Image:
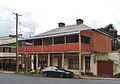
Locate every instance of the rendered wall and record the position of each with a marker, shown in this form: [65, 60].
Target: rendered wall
[112, 56]
[116, 65]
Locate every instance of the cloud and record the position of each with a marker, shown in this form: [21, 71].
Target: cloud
[5, 21]
[27, 28]
[42, 15]
[5, 27]
[27, 24]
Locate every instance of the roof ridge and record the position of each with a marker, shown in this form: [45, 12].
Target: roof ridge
[62, 29]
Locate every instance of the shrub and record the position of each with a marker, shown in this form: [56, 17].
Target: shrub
[117, 75]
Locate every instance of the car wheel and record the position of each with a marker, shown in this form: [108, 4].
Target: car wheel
[45, 74]
[61, 75]
[72, 75]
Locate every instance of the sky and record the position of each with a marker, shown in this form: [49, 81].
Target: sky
[43, 15]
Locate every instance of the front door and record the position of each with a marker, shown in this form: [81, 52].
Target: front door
[34, 62]
[87, 65]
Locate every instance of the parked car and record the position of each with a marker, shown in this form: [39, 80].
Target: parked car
[54, 71]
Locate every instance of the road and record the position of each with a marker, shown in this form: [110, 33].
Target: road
[18, 79]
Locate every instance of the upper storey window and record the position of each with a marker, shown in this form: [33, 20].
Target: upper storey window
[85, 39]
[47, 41]
[37, 42]
[59, 40]
[72, 39]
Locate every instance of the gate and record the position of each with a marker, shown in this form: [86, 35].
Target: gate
[105, 68]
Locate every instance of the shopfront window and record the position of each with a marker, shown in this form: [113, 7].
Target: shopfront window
[73, 63]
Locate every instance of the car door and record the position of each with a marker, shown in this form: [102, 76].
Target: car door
[53, 71]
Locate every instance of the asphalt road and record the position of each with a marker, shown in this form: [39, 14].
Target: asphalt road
[18, 79]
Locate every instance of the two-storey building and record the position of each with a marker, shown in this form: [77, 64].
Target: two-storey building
[69, 47]
[8, 52]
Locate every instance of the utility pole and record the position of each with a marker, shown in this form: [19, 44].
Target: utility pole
[17, 64]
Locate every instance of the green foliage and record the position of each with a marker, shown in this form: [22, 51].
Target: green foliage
[119, 56]
[115, 65]
[117, 75]
[100, 56]
[118, 51]
[110, 30]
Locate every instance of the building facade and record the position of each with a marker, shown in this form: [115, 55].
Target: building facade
[69, 47]
[8, 53]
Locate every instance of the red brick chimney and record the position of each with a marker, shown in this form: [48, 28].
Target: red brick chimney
[61, 24]
[79, 21]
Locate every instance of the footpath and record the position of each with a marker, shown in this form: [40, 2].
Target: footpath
[99, 78]
[8, 72]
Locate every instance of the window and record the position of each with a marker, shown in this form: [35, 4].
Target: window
[37, 42]
[72, 38]
[85, 39]
[13, 50]
[42, 60]
[3, 49]
[47, 41]
[59, 40]
[9, 49]
[73, 63]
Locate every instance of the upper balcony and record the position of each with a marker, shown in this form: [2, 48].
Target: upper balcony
[57, 44]
[51, 48]
[57, 48]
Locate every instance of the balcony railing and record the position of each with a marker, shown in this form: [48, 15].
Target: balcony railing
[86, 47]
[50, 48]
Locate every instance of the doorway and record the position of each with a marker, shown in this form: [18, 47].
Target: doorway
[87, 65]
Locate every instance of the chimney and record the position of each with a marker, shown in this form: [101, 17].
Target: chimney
[61, 24]
[79, 21]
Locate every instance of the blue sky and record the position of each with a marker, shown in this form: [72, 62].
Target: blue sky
[42, 15]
